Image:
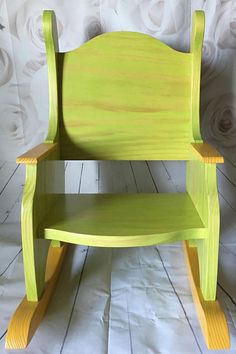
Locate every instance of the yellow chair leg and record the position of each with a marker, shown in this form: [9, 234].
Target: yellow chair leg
[29, 314]
[211, 316]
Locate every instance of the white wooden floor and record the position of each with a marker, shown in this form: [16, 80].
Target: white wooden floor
[117, 301]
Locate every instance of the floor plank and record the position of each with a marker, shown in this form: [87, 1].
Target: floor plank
[161, 177]
[116, 177]
[143, 178]
[227, 188]
[7, 170]
[11, 192]
[73, 176]
[89, 177]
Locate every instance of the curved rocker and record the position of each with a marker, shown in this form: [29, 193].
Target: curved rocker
[29, 314]
[210, 314]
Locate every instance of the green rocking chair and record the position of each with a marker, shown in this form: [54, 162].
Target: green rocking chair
[121, 96]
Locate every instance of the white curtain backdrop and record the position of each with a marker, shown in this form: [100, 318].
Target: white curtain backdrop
[23, 70]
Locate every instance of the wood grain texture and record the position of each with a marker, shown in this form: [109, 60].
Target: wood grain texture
[197, 35]
[201, 185]
[42, 181]
[122, 93]
[36, 154]
[207, 153]
[211, 316]
[123, 220]
[51, 42]
[29, 314]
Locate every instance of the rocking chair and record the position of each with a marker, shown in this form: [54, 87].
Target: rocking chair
[121, 96]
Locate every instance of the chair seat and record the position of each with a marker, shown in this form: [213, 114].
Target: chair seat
[124, 220]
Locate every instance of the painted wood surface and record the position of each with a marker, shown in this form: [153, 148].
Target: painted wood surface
[211, 316]
[172, 26]
[197, 36]
[123, 220]
[112, 119]
[201, 184]
[121, 95]
[175, 175]
[29, 314]
[107, 96]
[42, 181]
[51, 42]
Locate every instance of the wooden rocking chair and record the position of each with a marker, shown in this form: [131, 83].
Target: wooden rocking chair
[121, 96]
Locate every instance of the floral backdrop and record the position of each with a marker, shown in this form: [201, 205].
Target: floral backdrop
[23, 70]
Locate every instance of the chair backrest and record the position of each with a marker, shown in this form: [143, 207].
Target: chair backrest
[125, 95]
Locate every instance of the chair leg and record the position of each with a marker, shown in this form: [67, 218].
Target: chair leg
[208, 250]
[35, 257]
[29, 314]
[41, 267]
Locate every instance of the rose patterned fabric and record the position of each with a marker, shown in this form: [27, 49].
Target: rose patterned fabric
[23, 71]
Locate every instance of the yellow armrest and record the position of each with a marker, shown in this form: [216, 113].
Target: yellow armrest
[207, 153]
[36, 154]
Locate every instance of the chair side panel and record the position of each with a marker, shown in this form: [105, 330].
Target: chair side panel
[126, 95]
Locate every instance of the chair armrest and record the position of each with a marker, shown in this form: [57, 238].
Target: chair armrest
[37, 154]
[207, 153]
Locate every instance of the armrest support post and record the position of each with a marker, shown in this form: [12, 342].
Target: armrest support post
[201, 185]
[44, 181]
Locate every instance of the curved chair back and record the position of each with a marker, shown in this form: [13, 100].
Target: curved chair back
[128, 96]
